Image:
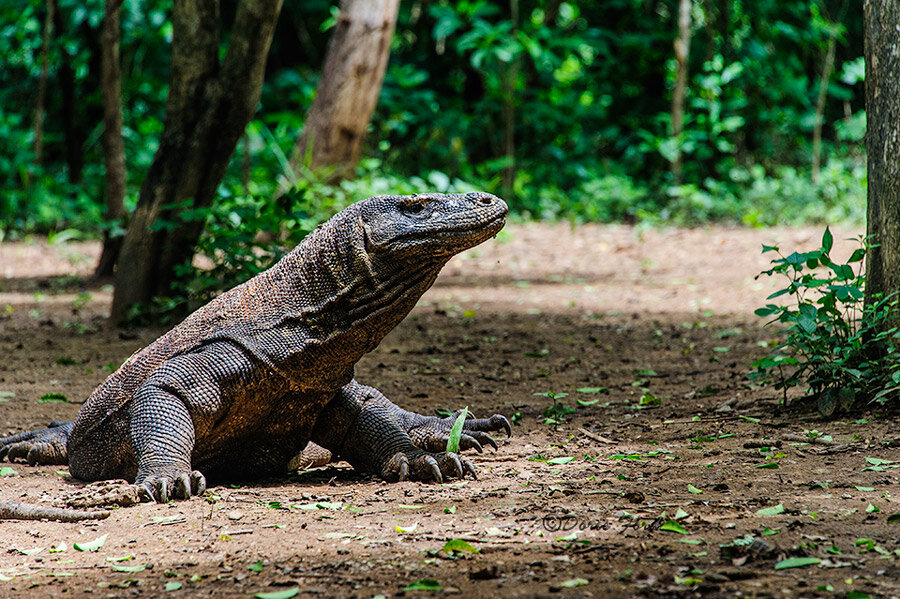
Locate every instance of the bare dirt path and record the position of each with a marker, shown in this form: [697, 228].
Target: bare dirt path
[618, 499]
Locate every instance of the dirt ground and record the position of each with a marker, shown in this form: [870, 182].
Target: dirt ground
[619, 500]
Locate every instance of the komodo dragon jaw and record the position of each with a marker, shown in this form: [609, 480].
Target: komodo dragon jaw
[238, 389]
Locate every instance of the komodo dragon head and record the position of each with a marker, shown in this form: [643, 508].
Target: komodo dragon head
[425, 227]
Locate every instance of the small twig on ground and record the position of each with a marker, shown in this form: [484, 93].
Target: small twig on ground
[790, 438]
[596, 437]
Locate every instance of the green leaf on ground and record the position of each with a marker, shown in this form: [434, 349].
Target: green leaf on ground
[256, 566]
[771, 511]
[645, 372]
[673, 526]
[320, 505]
[91, 545]
[560, 461]
[456, 431]
[648, 399]
[132, 569]
[54, 397]
[893, 519]
[863, 489]
[458, 545]
[692, 489]
[592, 390]
[574, 582]
[173, 585]
[7, 471]
[797, 562]
[426, 584]
[285, 594]
[406, 529]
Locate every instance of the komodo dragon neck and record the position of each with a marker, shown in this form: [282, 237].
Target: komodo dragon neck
[324, 305]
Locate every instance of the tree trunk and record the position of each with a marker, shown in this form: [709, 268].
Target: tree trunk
[113, 143]
[73, 132]
[682, 53]
[207, 109]
[41, 100]
[883, 146]
[348, 91]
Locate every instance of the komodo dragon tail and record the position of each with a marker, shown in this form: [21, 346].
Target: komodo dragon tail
[43, 446]
[16, 510]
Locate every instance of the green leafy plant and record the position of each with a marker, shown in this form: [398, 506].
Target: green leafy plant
[556, 413]
[841, 348]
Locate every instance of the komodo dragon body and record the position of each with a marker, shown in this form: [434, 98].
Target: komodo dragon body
[238, 389]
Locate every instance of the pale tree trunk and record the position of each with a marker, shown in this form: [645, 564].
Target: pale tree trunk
[113, 143]
[827, 68]
[209, 104]
[41, 100]
[883, 146]
[682, 53]
[348, 90]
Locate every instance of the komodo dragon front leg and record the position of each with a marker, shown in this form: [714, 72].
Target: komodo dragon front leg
[429, 433]
[365, 428]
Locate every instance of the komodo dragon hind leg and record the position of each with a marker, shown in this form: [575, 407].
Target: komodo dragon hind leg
[42, 446]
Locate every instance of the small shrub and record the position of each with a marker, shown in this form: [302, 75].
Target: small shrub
[840, 348]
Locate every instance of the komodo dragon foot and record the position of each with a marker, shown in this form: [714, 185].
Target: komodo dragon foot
[429, 433]
[365, 428]
[42, 446]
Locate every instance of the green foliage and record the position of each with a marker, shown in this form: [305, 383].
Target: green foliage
[841, 349]
[561, 107]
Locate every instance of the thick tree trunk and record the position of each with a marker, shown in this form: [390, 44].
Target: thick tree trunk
[883, 146]
[113, 143]
[73, 132]
[682, 53]
[348, 91]
[207, 109]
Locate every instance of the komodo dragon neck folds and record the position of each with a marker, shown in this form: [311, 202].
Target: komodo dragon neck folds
[242, 385]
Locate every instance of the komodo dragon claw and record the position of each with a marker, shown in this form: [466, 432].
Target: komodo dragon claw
[170, 484]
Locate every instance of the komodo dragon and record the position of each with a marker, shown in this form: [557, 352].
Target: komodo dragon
[238, 389]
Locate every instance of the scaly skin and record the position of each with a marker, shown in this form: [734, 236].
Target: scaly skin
[238, 389]
[16, 510]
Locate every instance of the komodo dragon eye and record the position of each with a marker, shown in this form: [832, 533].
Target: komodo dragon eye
[412, 208]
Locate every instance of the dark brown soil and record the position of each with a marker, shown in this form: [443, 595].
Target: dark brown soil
[658, 314]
